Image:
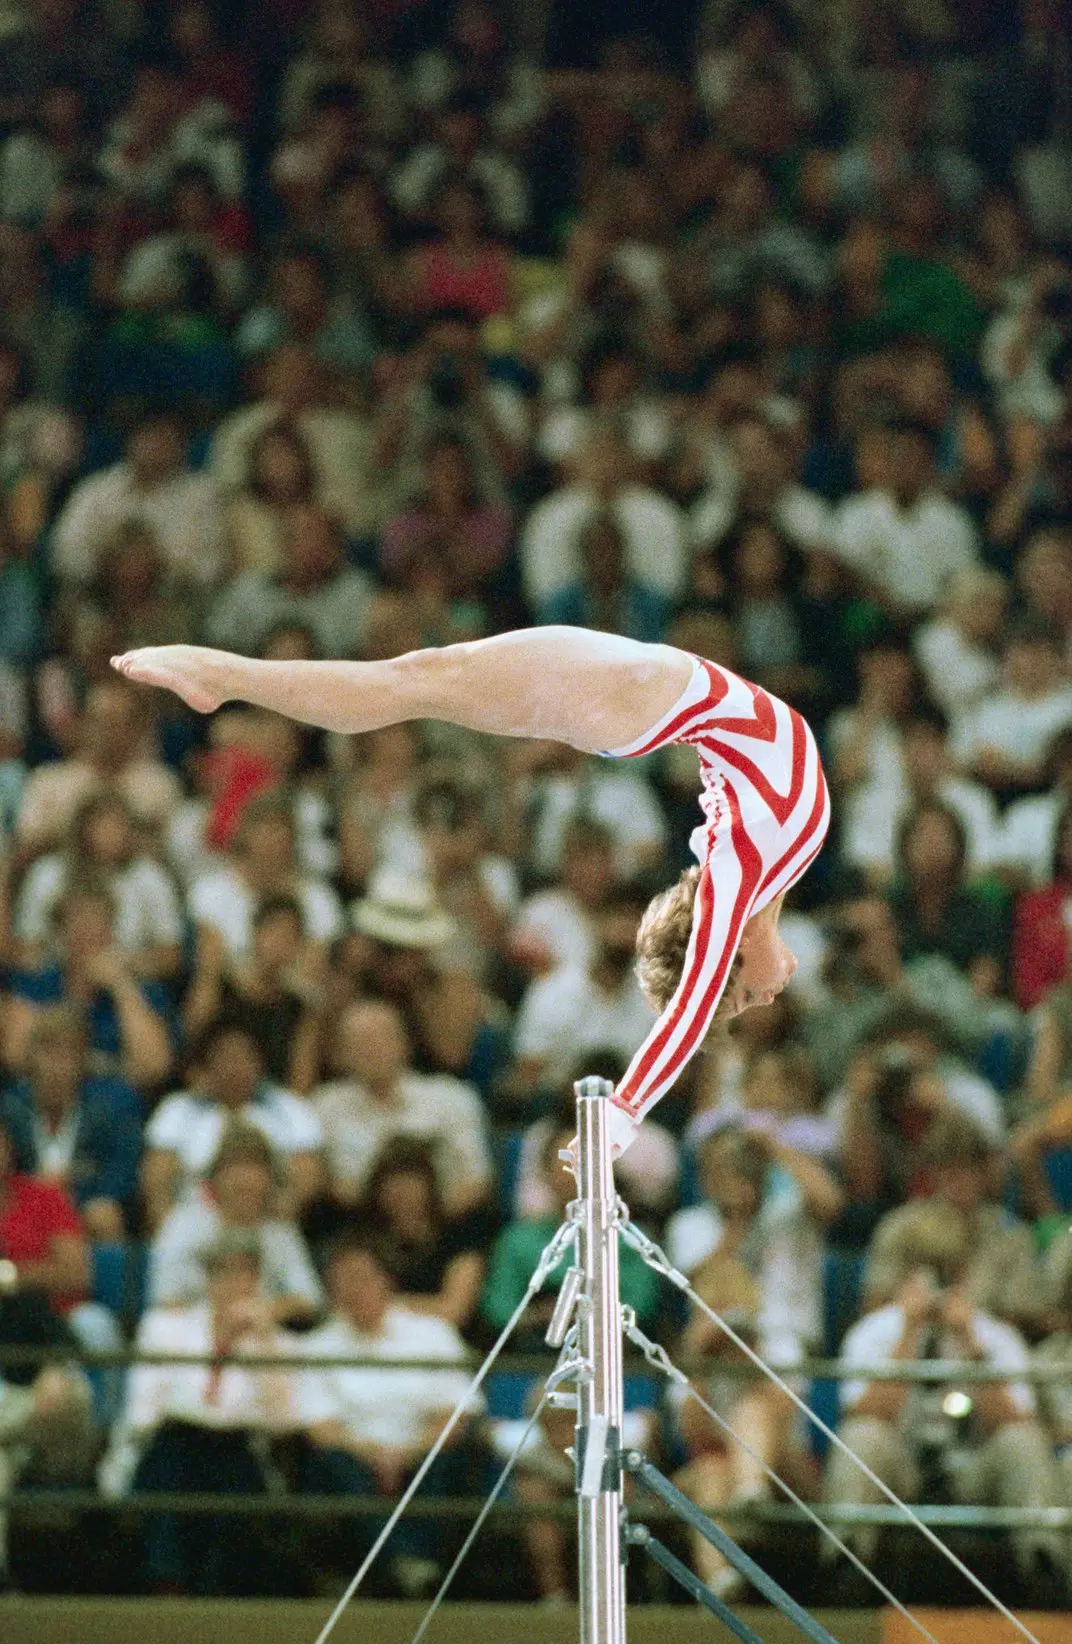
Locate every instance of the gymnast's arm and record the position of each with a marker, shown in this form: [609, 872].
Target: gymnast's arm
[592, 690]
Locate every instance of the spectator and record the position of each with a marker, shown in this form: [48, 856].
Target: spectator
[475, 885]
[261, 863]
[453, 1025]
[996, 1451]
[281, 476]
[866, 739]
[1029, 833]
[202, 1427]
[37, 159]
[300, 307]
[612, 388]
[200, 233]
[461, 147]
[605, 596]
[48, 1438]
[569, 1012]
[904, 540]
[652, 526]
[380, 1098]
[226, 1082]
[557, 926]
[129, 1018]
[929, 779]
[46, 1261]
[135, 599]
[371, 1428]
[109, 736]
[1005, 739]
[240, 1197]
[156, 135]
[555, 786]
[760, 485]
[297, 390]
[152, 486]
[648, 1173]
[103, 842]
[276, 989]
[1042, 947]
[71, 1128]
[437, 1261]
[956, 651]
[517, 1250]
[312, 588]
[1053, 1396]
[461, 267]
[764, 1206]
[936, 911]
[451, 517]
[901, 1085]
[1001, 1277]
[446, 387]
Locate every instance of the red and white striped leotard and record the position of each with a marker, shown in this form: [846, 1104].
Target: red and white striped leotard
[766, 810]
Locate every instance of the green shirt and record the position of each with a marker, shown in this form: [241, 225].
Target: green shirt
[514, 1257]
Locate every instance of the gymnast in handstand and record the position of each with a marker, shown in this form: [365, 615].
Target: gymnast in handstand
[708, 947]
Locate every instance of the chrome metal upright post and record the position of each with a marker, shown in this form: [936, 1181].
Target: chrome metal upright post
[600, 1395]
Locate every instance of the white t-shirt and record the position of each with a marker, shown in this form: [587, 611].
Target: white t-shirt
[783, 1250]
[433, 1107]
[958, 674]
[228, 1397]
[874, 1337]
[221, 897]
[912, 554]
[148, 911]
[613, 793]
[1029, 835]
[653, 527]
[1017, 727]
[555, 920]
[875, 816]
[564, 1015]
[384, 1406]
[800, 516]
[177, 1274]
[183, 514]
[192, 1126]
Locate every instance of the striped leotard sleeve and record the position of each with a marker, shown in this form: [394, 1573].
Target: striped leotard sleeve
[767, 812]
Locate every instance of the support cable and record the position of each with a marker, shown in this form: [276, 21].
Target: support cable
[659, 1261]
[552, 1254]
[659, 1359]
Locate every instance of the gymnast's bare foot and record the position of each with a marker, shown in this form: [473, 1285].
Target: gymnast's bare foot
[193, 672]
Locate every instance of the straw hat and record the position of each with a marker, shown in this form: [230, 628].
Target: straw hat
[401, 910]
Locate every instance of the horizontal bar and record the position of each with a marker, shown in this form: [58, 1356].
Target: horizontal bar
[565, 1512]
[699, 1590]
[933, 1370]
[651, 1478]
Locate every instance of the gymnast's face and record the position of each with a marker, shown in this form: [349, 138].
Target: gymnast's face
[763, 965]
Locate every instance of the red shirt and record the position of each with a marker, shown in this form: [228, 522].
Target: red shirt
[32, 1214]
[1041, 942]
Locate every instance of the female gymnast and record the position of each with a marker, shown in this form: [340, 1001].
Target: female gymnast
[708, 947]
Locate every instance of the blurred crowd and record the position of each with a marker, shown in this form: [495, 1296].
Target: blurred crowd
[341, 329]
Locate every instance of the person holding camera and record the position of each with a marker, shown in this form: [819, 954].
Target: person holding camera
[937, 1441]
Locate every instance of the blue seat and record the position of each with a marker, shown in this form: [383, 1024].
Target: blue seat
[119, 1278]
[843, 1277]
[1058, 1166]
[508, 1161]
